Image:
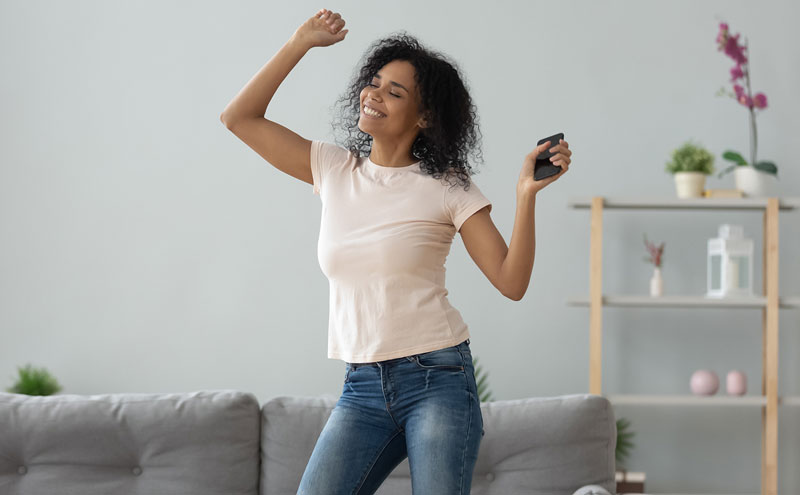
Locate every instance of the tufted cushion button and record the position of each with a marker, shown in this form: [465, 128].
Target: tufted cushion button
[22, 470]
[137, 470]
[490, 476]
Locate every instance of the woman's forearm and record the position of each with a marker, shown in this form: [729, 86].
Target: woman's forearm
[518, 265]
[253, 99]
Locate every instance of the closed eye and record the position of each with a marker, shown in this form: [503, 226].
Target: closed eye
[374, 86]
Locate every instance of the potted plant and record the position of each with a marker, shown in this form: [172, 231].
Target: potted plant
[627, 482]
[35, 381]
[690, 164]
[756, 178]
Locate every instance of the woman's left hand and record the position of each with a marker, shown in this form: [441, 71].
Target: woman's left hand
[561, 157]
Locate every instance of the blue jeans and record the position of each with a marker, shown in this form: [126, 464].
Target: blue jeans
[424, 407]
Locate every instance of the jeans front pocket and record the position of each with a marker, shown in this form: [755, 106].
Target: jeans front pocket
[448, 359]
[347, 370]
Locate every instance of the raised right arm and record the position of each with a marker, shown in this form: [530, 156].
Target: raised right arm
[244, 116]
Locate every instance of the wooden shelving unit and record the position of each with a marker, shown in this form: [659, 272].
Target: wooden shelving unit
[770, 303]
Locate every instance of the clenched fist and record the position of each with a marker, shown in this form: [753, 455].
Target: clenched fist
[323, 29]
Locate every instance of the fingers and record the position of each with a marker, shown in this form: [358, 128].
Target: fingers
[560, 160]
[332, 19]
[562, 146]
[561, 155]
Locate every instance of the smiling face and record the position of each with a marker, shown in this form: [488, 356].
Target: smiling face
[393, 92]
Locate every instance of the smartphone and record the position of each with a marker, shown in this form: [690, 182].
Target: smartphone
[543, 167]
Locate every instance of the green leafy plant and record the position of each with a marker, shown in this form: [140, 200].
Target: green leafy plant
[480, 380]
[35, 381]
[691, 158]
[739, 161]
[624, 443]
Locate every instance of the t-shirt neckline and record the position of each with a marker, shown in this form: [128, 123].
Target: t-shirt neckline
[384, 168]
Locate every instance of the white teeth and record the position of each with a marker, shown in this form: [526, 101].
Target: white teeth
[372, 113]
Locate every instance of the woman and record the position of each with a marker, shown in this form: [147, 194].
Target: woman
[409, 387]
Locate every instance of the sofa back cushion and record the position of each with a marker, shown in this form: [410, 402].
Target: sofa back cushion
[188, 443]
[535, 446]
[547, 445]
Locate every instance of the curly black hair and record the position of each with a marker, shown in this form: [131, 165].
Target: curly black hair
[453, 132]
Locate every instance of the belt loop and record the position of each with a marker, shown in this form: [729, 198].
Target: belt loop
[467, 341]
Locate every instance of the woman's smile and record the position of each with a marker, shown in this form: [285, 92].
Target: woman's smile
[371, 113]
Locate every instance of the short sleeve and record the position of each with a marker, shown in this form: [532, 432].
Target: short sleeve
[461, 204]
[324, 156]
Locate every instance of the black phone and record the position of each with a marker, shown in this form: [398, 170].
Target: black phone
[543, 167]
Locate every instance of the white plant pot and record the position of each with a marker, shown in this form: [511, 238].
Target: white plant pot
[690, 184]
[755, 183]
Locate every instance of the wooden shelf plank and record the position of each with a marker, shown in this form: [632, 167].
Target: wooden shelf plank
[789, 302]
[686, 301]
[687, 400]
[789, 400]
[788, 203]
[695, 400]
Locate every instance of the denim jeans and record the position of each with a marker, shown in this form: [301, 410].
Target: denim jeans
[424, 407]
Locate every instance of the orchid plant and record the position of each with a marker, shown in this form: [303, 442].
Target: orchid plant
[656, 253]
[741, 73]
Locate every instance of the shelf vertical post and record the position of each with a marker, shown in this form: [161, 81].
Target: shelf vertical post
[595, 298]
[769, 375]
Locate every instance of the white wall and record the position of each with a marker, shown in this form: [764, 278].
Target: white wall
[144, 248]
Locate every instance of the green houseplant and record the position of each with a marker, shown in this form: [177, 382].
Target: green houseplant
[624, 442]
[690, 164]
[484, 395]
[34, 381]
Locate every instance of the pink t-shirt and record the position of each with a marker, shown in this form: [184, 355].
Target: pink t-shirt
[384, 236]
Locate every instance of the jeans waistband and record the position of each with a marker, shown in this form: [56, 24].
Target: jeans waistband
[395, 360]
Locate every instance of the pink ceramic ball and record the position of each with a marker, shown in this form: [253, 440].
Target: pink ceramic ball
[736, 383]
[704, 382]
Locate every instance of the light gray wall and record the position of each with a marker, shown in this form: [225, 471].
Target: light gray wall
[144, 248]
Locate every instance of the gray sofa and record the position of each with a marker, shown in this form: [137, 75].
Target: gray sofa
[224, 442]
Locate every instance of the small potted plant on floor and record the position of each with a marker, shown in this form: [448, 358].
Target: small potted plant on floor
[627, 481]
[690, 164]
